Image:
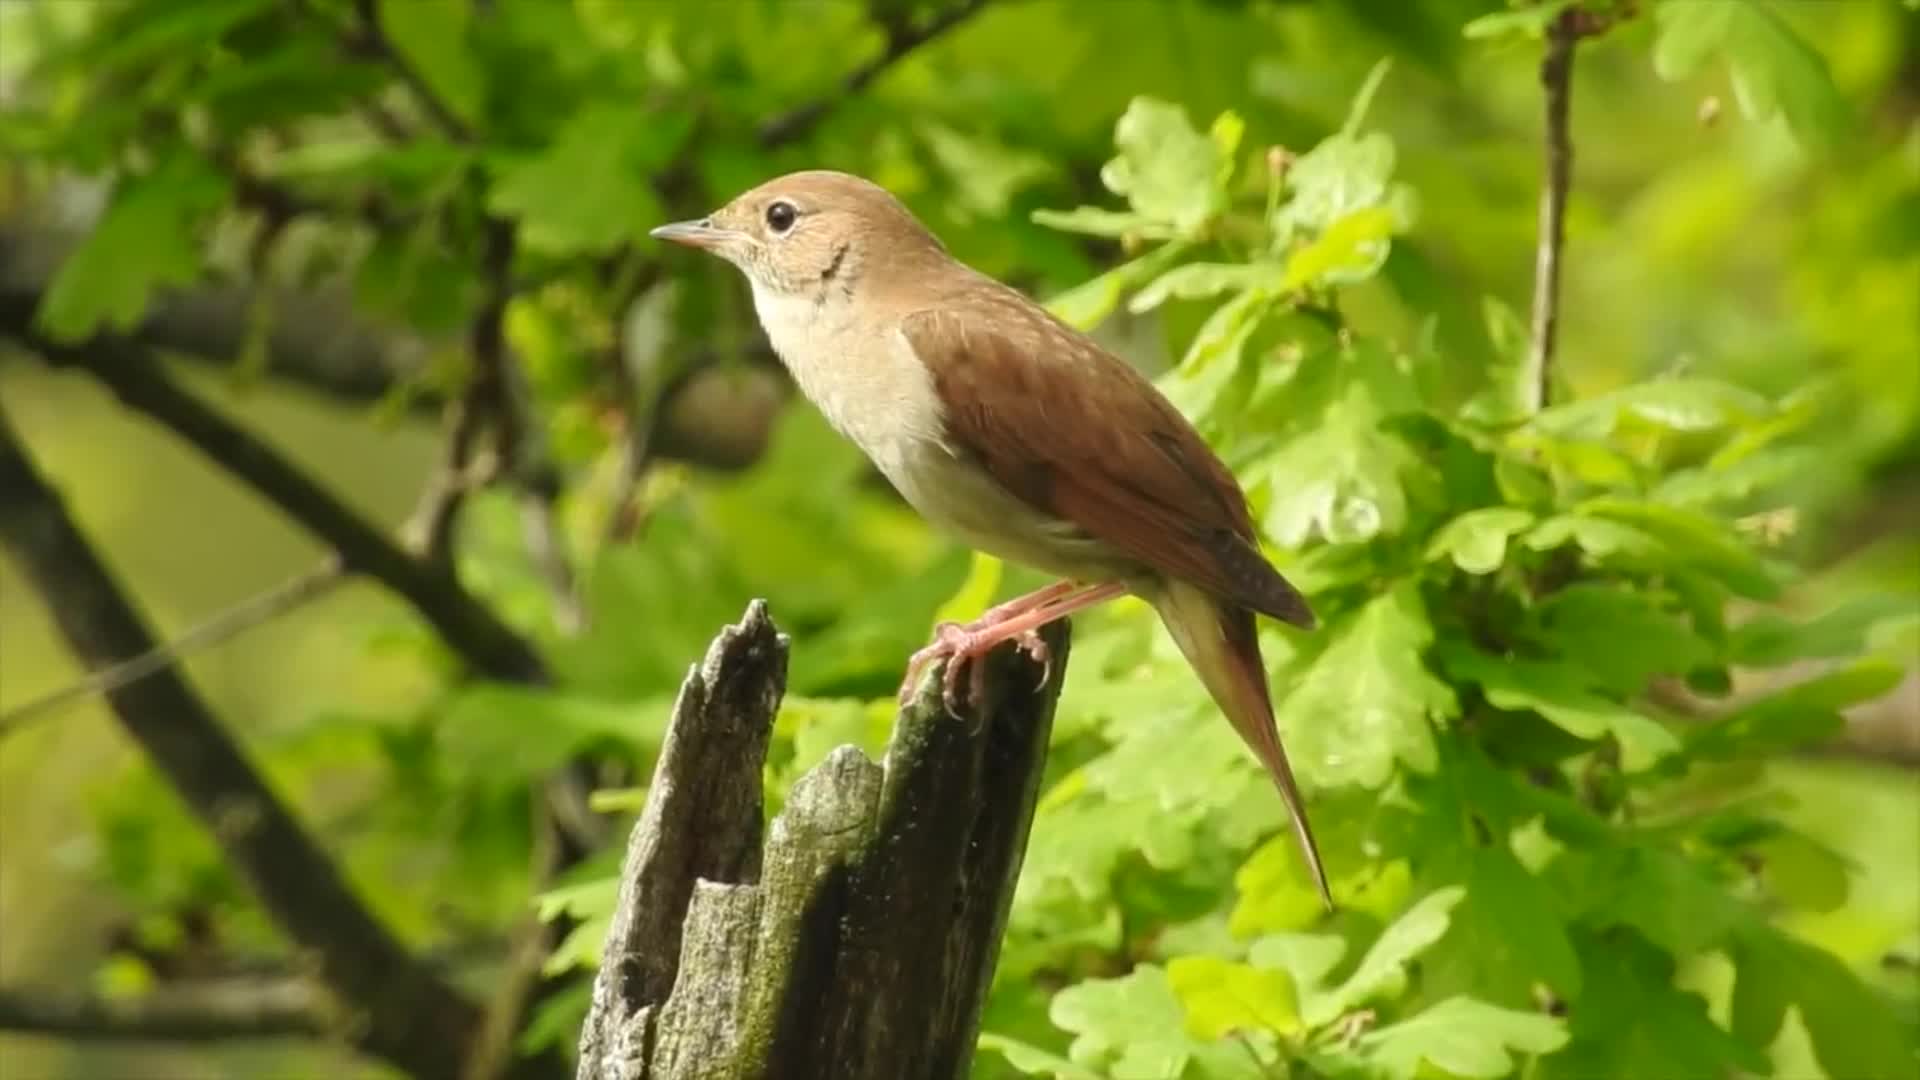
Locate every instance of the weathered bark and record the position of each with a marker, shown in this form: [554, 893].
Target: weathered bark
[860, 943]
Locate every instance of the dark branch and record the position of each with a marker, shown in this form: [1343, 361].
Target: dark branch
[404, 1012]
[372, 38]
[317, 341]
[235, 620]
[902, 39]
[218, 1011]
[470, 628]
[1556, 77]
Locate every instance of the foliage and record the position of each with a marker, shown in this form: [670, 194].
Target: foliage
[1545, 866]
[1513, 811]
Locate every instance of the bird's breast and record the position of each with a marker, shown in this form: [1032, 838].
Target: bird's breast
[871, 386]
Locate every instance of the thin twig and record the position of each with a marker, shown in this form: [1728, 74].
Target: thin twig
[902, 39]
[375, 39]
[518, 441]
[468, 626]
[221, 1010]
[247, 614]
[1556, 77]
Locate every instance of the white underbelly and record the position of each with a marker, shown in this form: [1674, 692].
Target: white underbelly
[879, 395]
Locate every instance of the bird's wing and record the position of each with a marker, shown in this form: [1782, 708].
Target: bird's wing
[1076, 432]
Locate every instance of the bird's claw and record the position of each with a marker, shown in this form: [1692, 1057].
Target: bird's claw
[1037, 650]
[965, 647]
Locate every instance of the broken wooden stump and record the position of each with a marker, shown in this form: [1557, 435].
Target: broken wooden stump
[858, 942]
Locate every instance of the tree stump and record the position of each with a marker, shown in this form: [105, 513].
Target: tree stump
[860, 941]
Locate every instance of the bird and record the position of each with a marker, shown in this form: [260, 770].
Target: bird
[1017, 435]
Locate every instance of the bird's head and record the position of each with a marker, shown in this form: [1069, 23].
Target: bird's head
[807, 232]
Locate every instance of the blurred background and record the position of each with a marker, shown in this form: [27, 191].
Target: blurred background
[402, 243]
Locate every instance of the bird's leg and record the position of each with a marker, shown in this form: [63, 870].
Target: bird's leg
[963, 646]
[947, 635]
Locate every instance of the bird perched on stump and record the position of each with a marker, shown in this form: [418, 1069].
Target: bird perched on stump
[1014, 432]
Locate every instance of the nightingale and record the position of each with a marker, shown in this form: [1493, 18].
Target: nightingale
[1014, 433]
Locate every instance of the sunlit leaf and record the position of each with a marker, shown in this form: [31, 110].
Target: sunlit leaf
[1366, 703]
[1168, 170]
[1476, 541]
[146, 240]
[1221, 997]
[1462, 1037]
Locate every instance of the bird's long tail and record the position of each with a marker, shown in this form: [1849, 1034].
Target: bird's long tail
[1221, 643]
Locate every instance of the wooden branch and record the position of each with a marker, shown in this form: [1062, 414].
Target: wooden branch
[866, 932]
[403, 1011]
[902, 39]
[315, 340]
[373, 38]
[469, 627]
[218, 1011]
[1556, 76]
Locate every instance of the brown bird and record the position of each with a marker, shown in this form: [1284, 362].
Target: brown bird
[1015, 433]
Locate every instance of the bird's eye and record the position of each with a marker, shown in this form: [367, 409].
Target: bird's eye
[780, 216]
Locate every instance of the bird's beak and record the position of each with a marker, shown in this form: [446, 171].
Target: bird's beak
[695, 234]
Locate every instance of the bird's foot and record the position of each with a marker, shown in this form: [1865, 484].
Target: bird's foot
[965, 647]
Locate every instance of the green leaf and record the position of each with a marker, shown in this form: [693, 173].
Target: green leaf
[1096, 221]
[1365, 702]
[1677, 404]
[1476, 541]
[1222, 997]
[1088, 304]
[1773, 68]
[1672, 899]
[1307, 958]
[1507, 396]
[1803, 713]
[1558, 690]
[1213, 376]
[1132, 1028]
[1350, 250]
[432, 38]
[1853, 1031]
[1774, 639]
[1341, 479]
[1383, 970]
[588, 191]
[1170, 172]
[1195, 281]
[145, 241]
[134, 34]
[1508, 936]
[1625, 636]
[1632, 1021]
[504, 734]
[1344, 174]
[1597, 537]
[1033, 1061]
[1462, 1037]
[1693, 540]
[1528, 22]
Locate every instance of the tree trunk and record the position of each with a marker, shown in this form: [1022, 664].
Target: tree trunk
[860, 943]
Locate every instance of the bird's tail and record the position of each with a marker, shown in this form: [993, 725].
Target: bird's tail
[1221, 643]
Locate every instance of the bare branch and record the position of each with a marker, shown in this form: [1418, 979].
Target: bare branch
[214, 1011]
[404, 1012]
[902, 40]
[1556, 78]
[224, 625]
[469, 627]
[372, 37]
